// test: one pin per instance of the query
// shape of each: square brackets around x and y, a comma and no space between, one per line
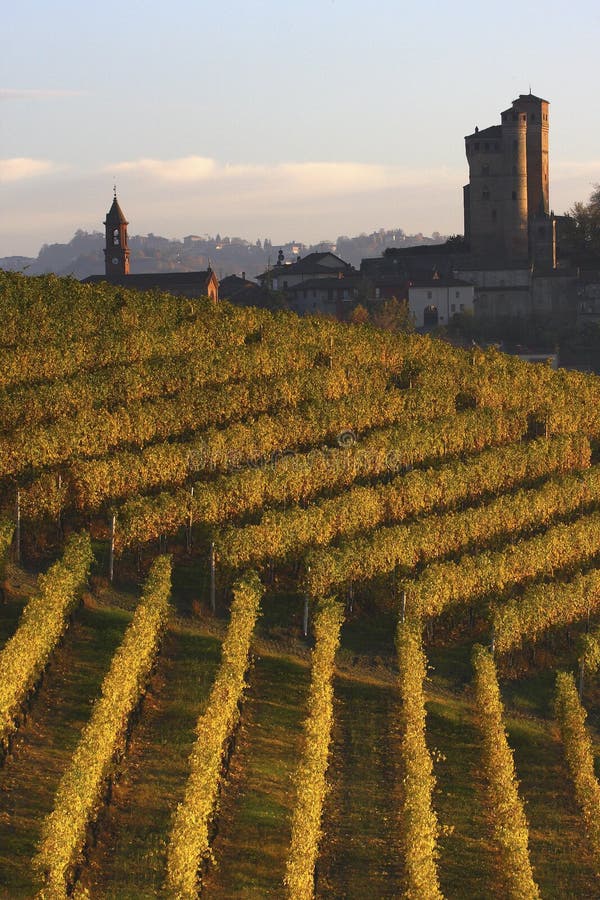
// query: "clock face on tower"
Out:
[115,261]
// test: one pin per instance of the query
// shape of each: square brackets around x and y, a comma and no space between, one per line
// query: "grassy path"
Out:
[559,852]
[254,820]
[358,858]
[46,741]
[20,585]
[129,858]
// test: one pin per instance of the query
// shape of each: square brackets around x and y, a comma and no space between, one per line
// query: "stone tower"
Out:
[507,219]
[116,252]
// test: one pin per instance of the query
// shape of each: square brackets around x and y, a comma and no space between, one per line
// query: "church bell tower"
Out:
[116,252]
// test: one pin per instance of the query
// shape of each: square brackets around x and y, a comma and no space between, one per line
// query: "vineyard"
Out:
[291,608]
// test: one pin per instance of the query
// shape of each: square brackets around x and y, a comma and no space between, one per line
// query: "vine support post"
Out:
[493,641]
[190,522]
[305,617]
[213,582]
[581,674]
[351,597]
[403,607]
[59,516]
[18,528]
[111,549]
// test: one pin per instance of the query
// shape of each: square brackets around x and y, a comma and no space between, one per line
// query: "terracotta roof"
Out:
[493,132]
[325,284]
[439,282]
[160,280]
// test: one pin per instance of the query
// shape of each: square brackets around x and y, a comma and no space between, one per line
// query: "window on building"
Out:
[378,293]
[457,294]
[462,307]
[285,284]
[485,194]
[496,146]
[486,146]
[476,146]
[429,295]
[485,170]
[453,307]
[116,237]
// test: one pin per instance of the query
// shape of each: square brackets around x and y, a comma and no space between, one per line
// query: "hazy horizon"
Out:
[266,120]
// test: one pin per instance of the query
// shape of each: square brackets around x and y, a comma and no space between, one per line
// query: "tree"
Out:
[359,315]
[393,315]
[579,231]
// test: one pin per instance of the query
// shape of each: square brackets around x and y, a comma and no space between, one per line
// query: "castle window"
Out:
[485,170]
[457,294]
[453,307]
[116,237]
[486,146]
[485,194]
[462,307]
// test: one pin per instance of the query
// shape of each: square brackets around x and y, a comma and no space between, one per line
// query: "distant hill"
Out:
[84,256]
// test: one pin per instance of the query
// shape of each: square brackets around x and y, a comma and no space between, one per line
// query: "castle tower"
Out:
[116,252]
[507,199]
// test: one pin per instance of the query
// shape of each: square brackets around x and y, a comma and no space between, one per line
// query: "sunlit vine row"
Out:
[190,836]
[79,796]
[43,621]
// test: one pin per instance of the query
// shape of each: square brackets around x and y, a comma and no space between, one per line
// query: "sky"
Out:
[294,121]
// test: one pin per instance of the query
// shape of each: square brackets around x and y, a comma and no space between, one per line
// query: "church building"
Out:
[117,270]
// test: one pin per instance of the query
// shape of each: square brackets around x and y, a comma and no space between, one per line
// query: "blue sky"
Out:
[288,120]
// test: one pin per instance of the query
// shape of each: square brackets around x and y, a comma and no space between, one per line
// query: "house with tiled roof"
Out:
[315,265]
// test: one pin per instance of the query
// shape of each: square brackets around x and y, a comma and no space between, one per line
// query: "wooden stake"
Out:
[18,528]
[213,588]
[111,550]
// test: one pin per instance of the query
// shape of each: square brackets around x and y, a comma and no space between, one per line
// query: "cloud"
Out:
[22,167]
[37,93]
[187,168]
[289,179]
[565,168]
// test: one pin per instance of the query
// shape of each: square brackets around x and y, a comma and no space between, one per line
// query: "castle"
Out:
[506,203]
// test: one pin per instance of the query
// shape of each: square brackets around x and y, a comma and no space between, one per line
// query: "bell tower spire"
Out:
[116,251]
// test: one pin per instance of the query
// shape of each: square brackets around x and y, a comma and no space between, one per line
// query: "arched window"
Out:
[116,237]
[430,316]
